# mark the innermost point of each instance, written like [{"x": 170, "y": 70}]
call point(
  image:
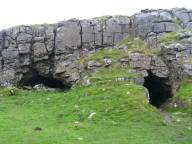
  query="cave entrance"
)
[
  {"x": 159, "y": 89},
  {"x": 47, "y": 81}
]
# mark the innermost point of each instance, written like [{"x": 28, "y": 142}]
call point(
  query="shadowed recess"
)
[
  {"x": 47, "y": 81},
  {"x": 159, "y": 89}
]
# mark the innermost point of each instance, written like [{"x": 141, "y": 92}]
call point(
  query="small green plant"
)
[{"x": 7, "y": 91}]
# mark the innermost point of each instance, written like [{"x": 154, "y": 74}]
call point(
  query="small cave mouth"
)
[
  {"x": 47, "y": 81},
  {"x": 159, "y": 89}
]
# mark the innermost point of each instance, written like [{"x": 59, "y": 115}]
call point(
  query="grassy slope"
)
[{"x": 123, "y": 115}]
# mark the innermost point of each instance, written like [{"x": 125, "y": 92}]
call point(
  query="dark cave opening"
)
[
  {"x": 47, "y": 81},
  {"x": 159, "y": 89}
]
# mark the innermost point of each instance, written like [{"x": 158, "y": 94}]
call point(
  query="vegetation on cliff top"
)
[
  {"x": 138, "y": 45},
  {"x": 127, "y": 46}
]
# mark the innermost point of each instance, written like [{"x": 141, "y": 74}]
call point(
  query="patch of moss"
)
[
  {"x": 169, "y": 38},
  {"x": 138, "y": 45},
  {"x": 114, "y": 54}
]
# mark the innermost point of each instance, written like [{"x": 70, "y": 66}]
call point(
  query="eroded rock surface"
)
[{"x": 54, "y": 50}]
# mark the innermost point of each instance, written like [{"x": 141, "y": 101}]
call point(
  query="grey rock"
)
[
  {"x": 93, "y": 64},
  {"x": 68, "y": 37},
  {"x": 55, "y": 50},
  {"x": 91, "y": 33},
  {"x": 107, "y": 62},
  {"x": 189, "y": 26},
  {"x": 139, "y": 61},
  {"x": 115, "y": 30}
]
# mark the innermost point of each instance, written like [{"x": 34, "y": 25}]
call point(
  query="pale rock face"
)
[
  {"x": 53, "y": 50},
  {"x": 115, "y": 30},
  {"x": 91, "y": 33}
]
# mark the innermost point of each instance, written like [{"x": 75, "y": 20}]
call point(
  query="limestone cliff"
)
[{"x": 52, "y": 51}]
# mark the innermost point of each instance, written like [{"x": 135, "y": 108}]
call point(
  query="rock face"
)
[
  {"x": 53, "y": 51},
  {"x": 178, "y": 58},
  {"x": 27, "y": 52}
]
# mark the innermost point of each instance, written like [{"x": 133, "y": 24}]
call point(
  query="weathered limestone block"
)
[
  {"x": 43, "y": 68},
  {"x": 66, "y": 68},
  {"x": 91, "y": 33},
  {"x": 140, "y": 61},
  {"x": 24, "y": 38},
  {"x": 171, "y": 27},
  {"x": 10, "y": 54},
  {"x": 157, "y": 21},
  {"x": 24, "y": 48},
  {"x": 54, "y": 50},
  {"x": 182, "y": 14},
  {"x": 189, "y": 26},
  {"x": 115, "y": 30},
  {"x": 40, "y": 52},
  {"x": 68, "y": 37},
  {"x": 158, "y": 67}
]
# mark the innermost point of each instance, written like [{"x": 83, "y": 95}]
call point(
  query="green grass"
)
[
  {"x": 134, "y": 45},
  {"x": 123, "y": 116},
  {"x": 114, "y": 54},
  {"x": 184, "y": 91},
  {"x": 120, "y": 113},
  {"x": 113, "y": 74},
  {"x": 182, "y": 101},
  {"x": 138, "y": 45},
  {"x": 169, "y": 38}
]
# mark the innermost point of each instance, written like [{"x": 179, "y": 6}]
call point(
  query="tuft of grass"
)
[
  {"x": 185, "y": 90},
  {"x": 169, "y": 38},
  {"x": 114, "y": 54},
  {"x": 113, "y": 74},
  {"x": 138, "y": 45},
  {"x": 182, "y": 101},
  {"x": 8, "y": 91},
  {"x": 134, "y": 45}
]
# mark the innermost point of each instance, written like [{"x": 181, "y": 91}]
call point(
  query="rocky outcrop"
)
[
  {"x": 178, "y": 58},
  {"x": 53, "y": 50}
]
